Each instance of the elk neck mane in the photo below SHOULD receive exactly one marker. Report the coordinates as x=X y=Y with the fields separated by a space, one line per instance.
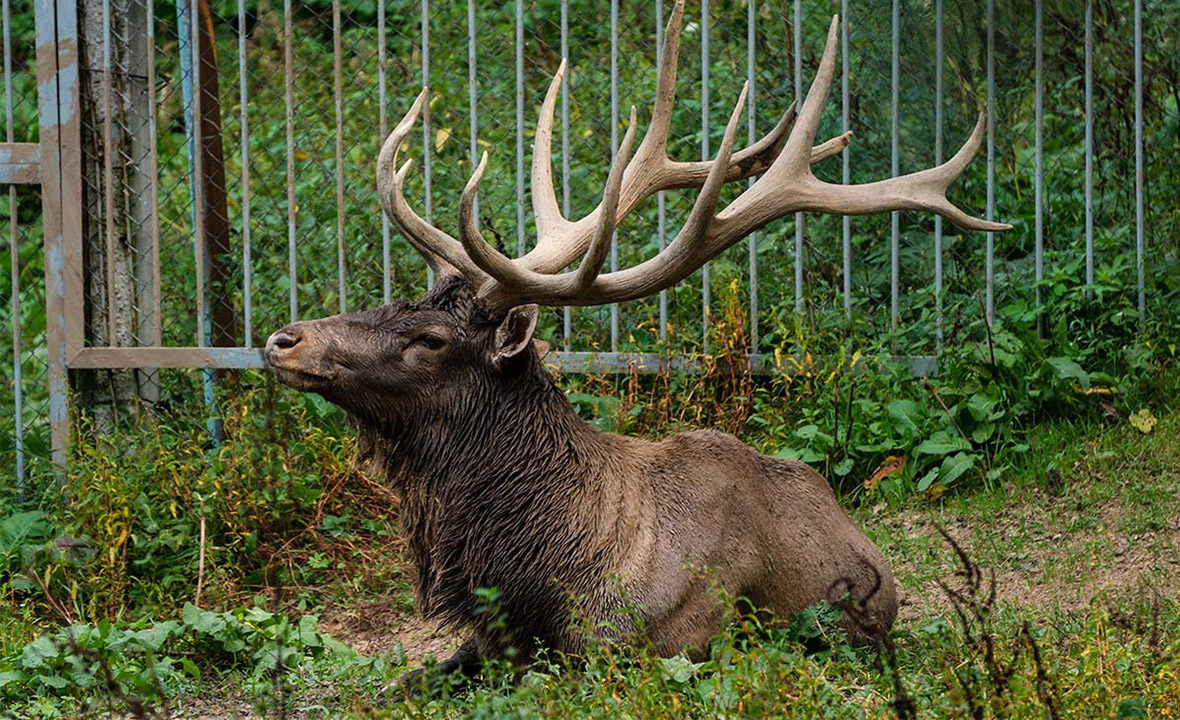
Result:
x=491 y=485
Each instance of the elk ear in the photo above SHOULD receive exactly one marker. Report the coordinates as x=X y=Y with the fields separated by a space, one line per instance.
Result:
x=515 y=332
x=542 y=347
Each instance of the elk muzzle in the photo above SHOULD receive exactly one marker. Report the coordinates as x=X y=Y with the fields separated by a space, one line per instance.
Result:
x=296 y=354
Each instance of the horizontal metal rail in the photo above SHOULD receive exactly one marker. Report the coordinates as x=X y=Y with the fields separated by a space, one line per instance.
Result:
x=568 y=362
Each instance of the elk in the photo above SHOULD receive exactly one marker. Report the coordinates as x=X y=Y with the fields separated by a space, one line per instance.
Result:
x=502 y=484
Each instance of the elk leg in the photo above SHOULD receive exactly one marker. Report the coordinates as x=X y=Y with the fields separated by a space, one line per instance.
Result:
x=464 y=663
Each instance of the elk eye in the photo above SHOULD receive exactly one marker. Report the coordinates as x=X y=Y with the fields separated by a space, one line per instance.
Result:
x=430 y=342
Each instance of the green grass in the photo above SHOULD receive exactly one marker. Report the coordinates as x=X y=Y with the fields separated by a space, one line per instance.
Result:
x=1081 y=535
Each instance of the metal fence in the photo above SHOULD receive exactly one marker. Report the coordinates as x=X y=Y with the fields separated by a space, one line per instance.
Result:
x=206 y=170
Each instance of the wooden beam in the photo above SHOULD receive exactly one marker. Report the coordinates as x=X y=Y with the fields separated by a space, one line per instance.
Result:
x=125 y=358
x=20 y=163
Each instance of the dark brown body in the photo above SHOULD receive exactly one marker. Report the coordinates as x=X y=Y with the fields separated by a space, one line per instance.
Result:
x=504 y=487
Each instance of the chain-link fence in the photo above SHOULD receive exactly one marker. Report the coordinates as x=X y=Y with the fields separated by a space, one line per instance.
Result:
x=230 y=145
x=24 y=391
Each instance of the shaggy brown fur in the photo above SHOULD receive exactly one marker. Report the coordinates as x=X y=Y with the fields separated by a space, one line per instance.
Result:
x=504 y=486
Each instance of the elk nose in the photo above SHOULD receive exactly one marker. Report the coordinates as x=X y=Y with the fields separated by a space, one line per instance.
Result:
x=284 y=339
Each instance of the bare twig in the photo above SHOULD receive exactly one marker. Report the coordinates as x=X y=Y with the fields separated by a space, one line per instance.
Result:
x=945 y=409
x=974 y=606
x=857 y=614
x=1046 y=688
x=62 y=611
x=200 y=556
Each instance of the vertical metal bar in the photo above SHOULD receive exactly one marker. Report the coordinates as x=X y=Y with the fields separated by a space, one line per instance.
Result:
x=1039 y=161
x=846 y=157
x=566 y=315
x=894 y=217
x=338 y=98
x=108 y=178
x=752 y=136
x=382 y=130
x=14 y=260
x=519 y=127
x=427 y=131
x=154 y=161
x=201 y=251
x=1140 y=259
x=1089 y=145
x=614 y=148
x=706 y=290
x=244 y=122
x=798 y=46
x=473 y=113
x=289 y=104
x=938 y=161
x=989 y=261
x=661 y=207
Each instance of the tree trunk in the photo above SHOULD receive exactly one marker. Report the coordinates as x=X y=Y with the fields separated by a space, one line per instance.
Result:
x=219 y=264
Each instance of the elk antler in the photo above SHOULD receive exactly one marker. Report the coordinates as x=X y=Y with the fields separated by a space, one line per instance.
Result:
x=786 y=185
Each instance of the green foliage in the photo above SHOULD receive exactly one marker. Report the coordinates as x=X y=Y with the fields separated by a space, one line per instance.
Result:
x=154 y=661
x=848 y=407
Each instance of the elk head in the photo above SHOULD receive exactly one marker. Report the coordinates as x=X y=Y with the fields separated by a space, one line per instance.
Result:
x=422 y=353
x=483 y=310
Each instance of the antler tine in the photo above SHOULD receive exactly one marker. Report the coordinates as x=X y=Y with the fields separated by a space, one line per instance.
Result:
x=705 y=207
x=797 y=153
x=653 y=149
x=689 y=249
x=545 y=209
x=486 y=258
x=661 y=111
x=514 y=281
x=835 y=146
x=442 y=252
x=608 y=219
x=929 y=186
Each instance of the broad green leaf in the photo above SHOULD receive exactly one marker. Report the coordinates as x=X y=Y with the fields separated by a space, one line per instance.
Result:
x=37 y=652
x=941 y=443
x=982 y=432
x=806 y=455
x=11 y=676
x=1066 y=369
x=154 y=637
x=906 y=414
x=927 y=479
x=258 y=616
x=308 y=633
x=678 y=668
x=203 y=621
x=191 y=668
x=56 y=682
x=954 y=466
x=815 y=437
x=981 y=406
